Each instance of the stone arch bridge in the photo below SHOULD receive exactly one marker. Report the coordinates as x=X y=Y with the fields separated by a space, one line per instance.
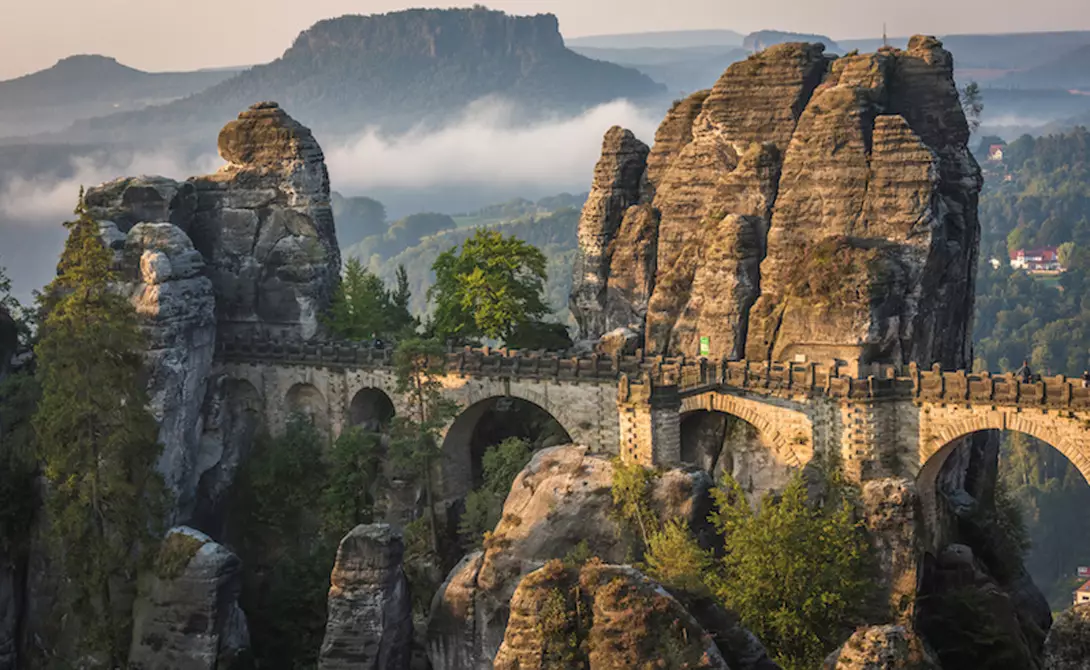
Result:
x=881 y=420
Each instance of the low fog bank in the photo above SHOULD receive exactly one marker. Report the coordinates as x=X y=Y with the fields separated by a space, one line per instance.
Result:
x=487 y=155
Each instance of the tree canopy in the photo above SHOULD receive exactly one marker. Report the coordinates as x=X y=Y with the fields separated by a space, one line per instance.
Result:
x=489 y=288
x=363 y=308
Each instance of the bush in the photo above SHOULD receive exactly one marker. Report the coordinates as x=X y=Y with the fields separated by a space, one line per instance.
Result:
x=484 y=505
x=800 y=577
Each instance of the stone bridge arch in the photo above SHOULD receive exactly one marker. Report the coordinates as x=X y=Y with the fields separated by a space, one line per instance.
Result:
x=941 y=426
x=788 y=431
x=308 y=400
x=476 y=398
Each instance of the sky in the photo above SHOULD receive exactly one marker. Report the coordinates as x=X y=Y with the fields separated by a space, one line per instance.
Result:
x=165 y=36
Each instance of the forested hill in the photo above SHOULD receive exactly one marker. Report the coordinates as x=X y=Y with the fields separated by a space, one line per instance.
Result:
x=1039 y=196
x=403 y=68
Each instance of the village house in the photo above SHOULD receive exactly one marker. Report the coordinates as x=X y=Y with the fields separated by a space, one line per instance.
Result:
x=1046 y=259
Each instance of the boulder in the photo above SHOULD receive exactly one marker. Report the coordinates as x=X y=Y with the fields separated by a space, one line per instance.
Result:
x=882 y=648
x=1068 y=643
x=186 y=615
x=601 y=617
x=561 y=502
x=369 y=624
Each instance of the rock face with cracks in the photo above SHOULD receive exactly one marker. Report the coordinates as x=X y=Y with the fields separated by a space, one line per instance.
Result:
x=186 y=615
x=561 y=499
x=369 y=624
x=804 y=206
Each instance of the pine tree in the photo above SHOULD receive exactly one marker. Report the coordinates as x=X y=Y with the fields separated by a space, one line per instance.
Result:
x=96 y=440
x=414 y=443
x=364 y=308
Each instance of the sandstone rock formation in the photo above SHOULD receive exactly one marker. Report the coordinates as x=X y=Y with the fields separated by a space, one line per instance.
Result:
x=973 y=584
x=265 y=226
x=561 y=499
x=803 y=206
x=249 y=250
x=600 y=617
x=882 y=648
x=1068 y=644
x=163 y=277
x=186 y=615
x=370 y=612
x=890 y=511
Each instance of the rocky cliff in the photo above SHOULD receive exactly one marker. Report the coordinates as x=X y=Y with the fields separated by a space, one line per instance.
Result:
x=249 y=250
x=804 y=206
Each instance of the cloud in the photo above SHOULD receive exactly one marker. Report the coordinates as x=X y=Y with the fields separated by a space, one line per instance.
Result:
x=487 y=145
x=50 y=199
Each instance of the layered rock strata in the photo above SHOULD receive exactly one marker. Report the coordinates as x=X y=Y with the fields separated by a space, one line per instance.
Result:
x=561 y=500
x=186 y=616
x=369 y=624
x=805 y=206
x=265 y=226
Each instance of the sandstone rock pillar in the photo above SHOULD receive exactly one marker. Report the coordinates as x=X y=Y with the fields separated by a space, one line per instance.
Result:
x=370 y=611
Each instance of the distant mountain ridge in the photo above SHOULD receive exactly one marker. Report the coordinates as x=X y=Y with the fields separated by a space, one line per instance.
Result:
x=401 y=69
x=85 y=86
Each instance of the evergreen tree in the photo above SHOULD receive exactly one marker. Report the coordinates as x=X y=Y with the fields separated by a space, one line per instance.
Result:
x=363 y=308
x=414 y=441
x=489 y=288
x=355 y=463
x=96 y=440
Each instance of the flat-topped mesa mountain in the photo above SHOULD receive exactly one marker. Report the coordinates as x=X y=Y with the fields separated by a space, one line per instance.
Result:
x=806 y=208
x=400 y=69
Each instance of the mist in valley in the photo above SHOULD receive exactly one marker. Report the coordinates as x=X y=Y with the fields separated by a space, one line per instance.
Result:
x=484 y=156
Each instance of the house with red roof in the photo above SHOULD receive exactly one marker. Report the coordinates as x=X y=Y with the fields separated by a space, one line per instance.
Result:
x=1046 y=259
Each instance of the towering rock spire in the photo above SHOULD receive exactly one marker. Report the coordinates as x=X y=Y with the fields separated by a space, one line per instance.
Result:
x=806 y=207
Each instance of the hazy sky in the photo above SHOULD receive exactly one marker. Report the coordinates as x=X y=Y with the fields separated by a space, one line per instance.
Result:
x=161 y=35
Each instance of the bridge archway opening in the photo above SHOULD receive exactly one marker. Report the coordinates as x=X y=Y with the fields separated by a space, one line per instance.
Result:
x=994 y=476
x=308 y=401
x=371 y=410
x=721 y=442
x=486 y=424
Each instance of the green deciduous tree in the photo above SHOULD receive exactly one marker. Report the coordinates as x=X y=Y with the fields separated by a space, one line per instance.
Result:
x=96 y=440
x=363 y=307
x=488 y=289
x=799 y=575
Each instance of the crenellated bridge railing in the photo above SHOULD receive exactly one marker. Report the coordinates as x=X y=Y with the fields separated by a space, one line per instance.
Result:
x=689 y=376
